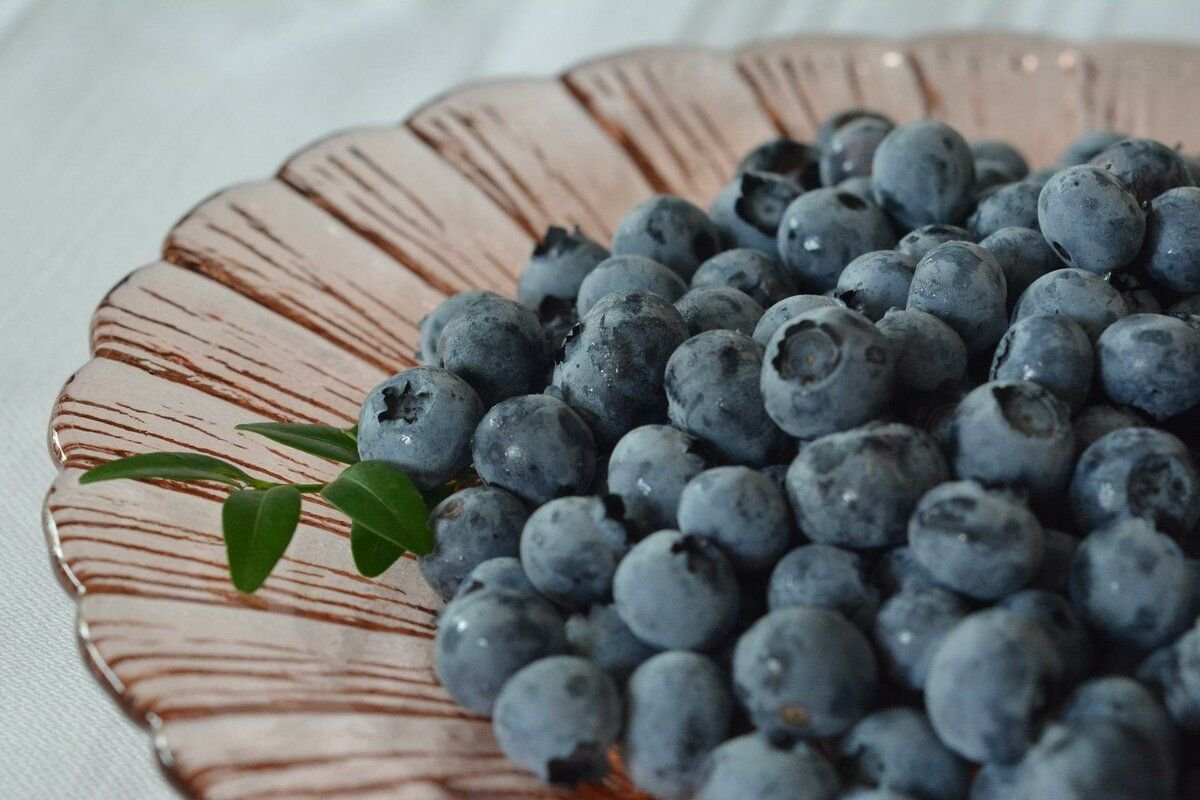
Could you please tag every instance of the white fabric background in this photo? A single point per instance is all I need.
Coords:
(116, 117)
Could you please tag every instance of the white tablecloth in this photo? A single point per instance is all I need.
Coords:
(116, 117)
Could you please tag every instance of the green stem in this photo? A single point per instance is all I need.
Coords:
(309, 488)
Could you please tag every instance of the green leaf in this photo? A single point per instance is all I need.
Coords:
(170, 466)
(325, 441)
(372, 553)
(382, 499)
(258, 526)
(352, 432)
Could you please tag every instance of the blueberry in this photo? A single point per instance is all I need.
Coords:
(1171, 249)
(962, 284)
(1057, 551)
(994, 782)
(434, 322)
(795, 161)
(749, 271)
(1050, 350)
(610, 368)
(1014, 434)
(1084, 761)
(677, 592)
(910, 628)
(602, 637)
(570, 548)
(713, 393)
(712, 308)
(1086, 298)
(498, 346)
(857, 488)
(747, 212)
(669, 230)
(990, 686)
(648, 469)
(677, 709)
(1174, 673)
(929, 353)
(896, 749)
(851, 149)
(1141, 296)
(1129, 703)
(823, 230)
(557, 718)
(918, 242)
(804, 673)
(826, 370)
(875, 282)
(1088, 146)
(1151, 362)
(1002, 153)
(1095, 421)
(1065, 630)
(420, 421)
(876, 794)
(469, 528)
(1137, 473)
(1014, 205)
(742, 510)
(784, 310)
(977, 542)
(923, 173)
(503, 574)
(1090, 219)
(551, 279)
(1024, 256)
(835, 123)
(1132, 584)
(749, 766)
(823, 576)
(629, 273)
(485, 637)
(1146, 167)
(536, 447)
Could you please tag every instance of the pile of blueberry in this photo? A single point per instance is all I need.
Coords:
(876, 480)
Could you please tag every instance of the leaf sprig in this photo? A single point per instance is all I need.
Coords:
(388, 514)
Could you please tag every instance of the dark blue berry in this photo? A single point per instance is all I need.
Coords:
(434, 322)
(1002, 153)
(924, 173)
(804, 672)
(1171, 249)
(875, 282)
(784, 310)
(610, 368)
(823, 230)
(1151, 362)
(536, 447)
(498, 346)
(826, 370)
(929, 354)
(742, 510)
(823, 576)
(678, 708)
(851, 149)
(420, 421)
(991, 685)
(551, 279)
(557, 718)
(1088, 146)
(1084, 297)
(648, 469)
(602, 636)
(677, 592)
(795, 161)
(1014, 205)
(713, 393)
(669, 230)
(469, 528)
(1050, 350)
(750, 766)
(858, 488)
(1148, 168)
(1091, 219)
(910, 628)
(918, 242)
(976, 542)
(897, 749)
(962, 284)
(570, 548)
(1024, 256)
(747, 212)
